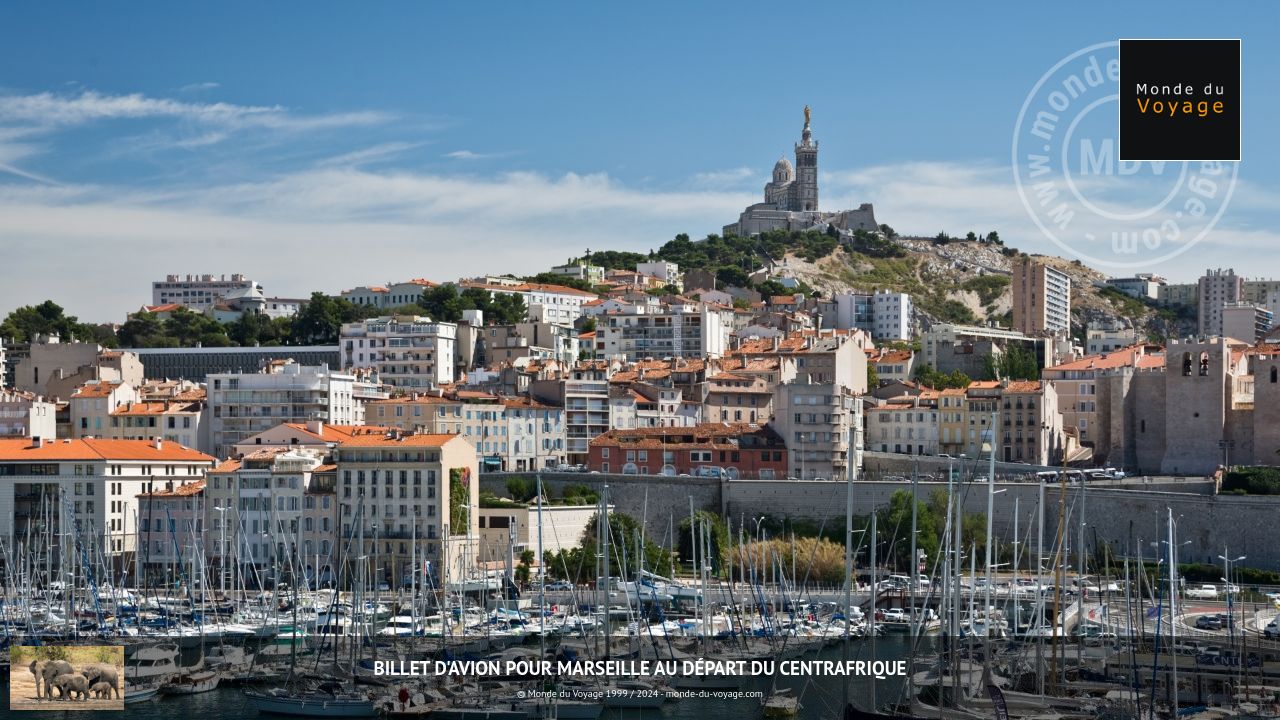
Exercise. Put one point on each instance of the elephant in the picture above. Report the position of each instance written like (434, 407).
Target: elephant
(45, 672)
(70, 685)
(100, 673)
(101, 690)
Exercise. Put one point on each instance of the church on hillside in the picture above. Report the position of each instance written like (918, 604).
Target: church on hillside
(791, 198)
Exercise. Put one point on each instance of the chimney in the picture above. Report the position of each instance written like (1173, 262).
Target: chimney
(157, 443)
(37, 441)
(775, 343)
(315, 427)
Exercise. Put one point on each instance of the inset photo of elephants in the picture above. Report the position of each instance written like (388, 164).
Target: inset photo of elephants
(77, 677)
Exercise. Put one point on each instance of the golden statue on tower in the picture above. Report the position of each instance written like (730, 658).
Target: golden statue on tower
(806, 114)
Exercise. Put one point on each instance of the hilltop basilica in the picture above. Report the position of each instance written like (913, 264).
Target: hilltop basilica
(791, 198)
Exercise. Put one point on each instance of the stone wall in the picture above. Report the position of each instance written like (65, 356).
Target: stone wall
(1126, 517)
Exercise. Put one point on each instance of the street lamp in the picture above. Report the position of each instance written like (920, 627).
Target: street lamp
(1226, 570)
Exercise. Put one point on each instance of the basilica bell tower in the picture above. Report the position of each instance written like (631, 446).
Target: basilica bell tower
(806, 182)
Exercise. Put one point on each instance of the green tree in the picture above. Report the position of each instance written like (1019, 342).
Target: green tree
(894, 528)
(47, 318)
(873, 377)
(320, 321)
(719, 540)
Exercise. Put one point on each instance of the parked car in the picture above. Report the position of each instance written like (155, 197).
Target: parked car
(559, 585)
(1208, 622)
(895, 615)
(1272, 630)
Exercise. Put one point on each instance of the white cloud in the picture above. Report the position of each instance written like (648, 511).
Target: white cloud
(198, 87)
(51, 110)
(732, 179)
(365, 156)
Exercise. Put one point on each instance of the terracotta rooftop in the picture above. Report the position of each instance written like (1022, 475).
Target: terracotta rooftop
(183, 490)
(397, 440)
(95, 390)
(98, 449)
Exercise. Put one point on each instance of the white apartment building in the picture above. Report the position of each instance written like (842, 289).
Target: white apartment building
(92, 482)
(584, 395)
(906, 425)
(391, 295)
(245, 404)
(255, 511)
(405, 351)
(1101, 338)
(891, 313)
(24, 414)
(508, 433)
(198, 292)
(692, 330)
(667, 272)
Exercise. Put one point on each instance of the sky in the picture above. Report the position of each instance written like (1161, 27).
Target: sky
(323, 146)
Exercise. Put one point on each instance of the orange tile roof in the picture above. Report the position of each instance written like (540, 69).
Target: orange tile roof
(1023, 386)
(340, 433)
(1124, 357)
(894, 356)
(166, 307)
(183, 490)
(95, 390)
(98, 449)
(324, 468)
(227, 466)
(397, 440)
(153, 408)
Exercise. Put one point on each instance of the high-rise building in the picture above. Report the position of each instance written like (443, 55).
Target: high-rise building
(1216, 289)
(1041, 298)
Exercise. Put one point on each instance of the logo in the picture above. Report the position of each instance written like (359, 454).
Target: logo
(1107, 211)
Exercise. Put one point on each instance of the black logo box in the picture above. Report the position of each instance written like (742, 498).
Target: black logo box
(1187, 68)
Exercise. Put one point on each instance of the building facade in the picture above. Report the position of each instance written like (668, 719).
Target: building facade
(405, 351)
(245, 404)
(198, 292)
(1041, 298)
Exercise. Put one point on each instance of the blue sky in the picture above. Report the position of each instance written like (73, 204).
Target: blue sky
(323, 146)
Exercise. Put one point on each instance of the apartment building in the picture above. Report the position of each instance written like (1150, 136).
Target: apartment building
(817, 421)
(494, 346)
(393, 487)
(198, 292)
(1215, 290)
(1041, 298)
(55, 369)
(690, 330)
(584, 394)
(242, 405)
(737, 398)
(255, 515)
(171, 528)
(907, 424)
(1030, 427)
(508, 433)
(732, 450)
(819, 356)
(24, 414)
(405, 351)
(1245, 321)
(62, 491)
(391, 295)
